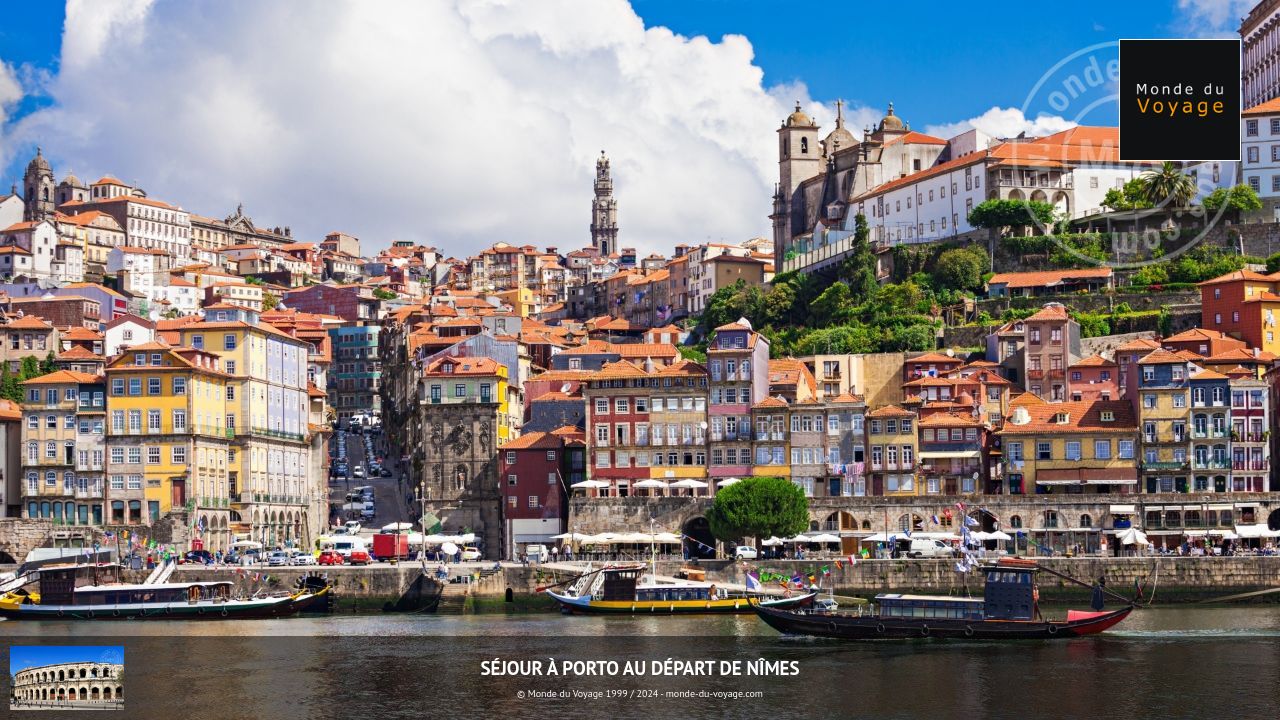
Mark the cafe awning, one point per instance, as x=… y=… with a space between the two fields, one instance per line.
x=1124 y=509
x=943 y=454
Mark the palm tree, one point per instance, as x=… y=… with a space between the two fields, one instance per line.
x=1168 y=187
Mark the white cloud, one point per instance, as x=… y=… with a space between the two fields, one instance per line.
x=1212 y=18
x=1004 y=123
x=453 y=123
x=10 y=93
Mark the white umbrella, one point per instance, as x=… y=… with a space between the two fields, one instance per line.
x=999 y=535
x=449 y=548
x=590 y=484
x=825 y=538
x=979 y=536
x=689 y=483
x=798 y=539
x=650 y=484
x=666 y=538
x=246 y=544
x=728 y=481
x=601 y=539
x=772 y=542
x=415 y=538
x=397 y=527
x=1132 y=536
x=636 y=537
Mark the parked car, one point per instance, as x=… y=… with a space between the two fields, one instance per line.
x=385 y=472
x=353 y=527
x=357 y=472
x=278 y=558
x=329 y=557
x=359 y=557
x=470 y=553
x=197 y=556
x=304 y=559
x=536 y=553
x=745 y=552
x=924 y=547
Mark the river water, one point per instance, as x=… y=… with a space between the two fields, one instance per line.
x=1191 y=661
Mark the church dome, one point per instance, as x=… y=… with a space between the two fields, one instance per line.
x=798 y=117
x=38 y=164
x=891 y=121
x=73 y=181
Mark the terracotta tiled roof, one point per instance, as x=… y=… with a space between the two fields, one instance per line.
x=1082 y=417
x=935 y=358
x=78 y=352
x=1139 y=345
x=619 y=370
x=949 y=419
x=534 y=441
x=28 y=322
x=1242 y=355
x=1160 y=357
x=462 y=366
x=890 y=411
x=1208 y=375
x=1046 y=278
x=1050 y=312
x=687 y=368
x=1094 y=361
x=1197 y=334
x=771 y=402
x=1237 y=276
x=62 y=377
x=1265 y=108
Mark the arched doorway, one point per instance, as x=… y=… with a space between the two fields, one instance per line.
x=698 y=540
x=1273 y=520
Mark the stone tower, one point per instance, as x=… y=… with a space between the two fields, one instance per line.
x=799 y=158
x=38 y=182
x=604 y=211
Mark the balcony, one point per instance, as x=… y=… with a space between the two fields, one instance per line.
x=1035 y=374
x=1251 y=465
x=1215 y=464
x=1163 y=465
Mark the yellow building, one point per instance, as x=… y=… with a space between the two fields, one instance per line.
x=56 y=486
x=167 y=444
x=1081 y=447
x=523 y=301
x=274 y=500
x=892 y=449
x=676 y=432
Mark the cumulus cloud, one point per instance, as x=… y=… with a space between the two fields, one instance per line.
x=1212 y=18
x=455 y=123
x=10 y=93
x=1004 y=123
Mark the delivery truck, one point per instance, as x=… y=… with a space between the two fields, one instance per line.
x=389 y=545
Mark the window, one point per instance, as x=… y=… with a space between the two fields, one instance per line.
x=135 y=386
x=231 y=367
x=1254 y=184
x=1251 y=128
x=135 y=455
x=642 y=405
x=459 y=390
x=621 y=406
x=179 y=454
x=602 y=458
x=153 y=455
x=228 y=342
x=1251 y=155
x=179 y=386
x=1102 y=449
x=153 y=386
x=602 y=406
x=1044 y=451
x=153 y=421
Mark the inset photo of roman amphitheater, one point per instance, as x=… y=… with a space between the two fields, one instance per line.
x=66 y=677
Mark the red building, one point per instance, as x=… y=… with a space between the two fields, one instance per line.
x=929 y=365
x=537 y=470
x=617 y=426
x=1093 y=378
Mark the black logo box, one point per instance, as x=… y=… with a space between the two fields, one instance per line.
x=1187 y=68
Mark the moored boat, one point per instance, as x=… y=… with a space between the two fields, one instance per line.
x=628 y=590
x=94 y=592
x=1008 y=610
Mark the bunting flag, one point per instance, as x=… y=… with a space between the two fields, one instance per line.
x=108 y=534
x=838 y=565
x=753 y=582
x=825 y=571
x=853 y=558
x=935 y=520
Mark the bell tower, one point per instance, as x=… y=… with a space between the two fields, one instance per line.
x=604 y=211
x=799 y=158
x=39 y=189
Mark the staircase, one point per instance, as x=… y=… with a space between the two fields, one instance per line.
x=453 y=599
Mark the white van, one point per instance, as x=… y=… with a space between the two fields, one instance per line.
x=924 y=547
x=344 y=545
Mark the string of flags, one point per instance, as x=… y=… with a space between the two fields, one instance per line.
x=757 y=577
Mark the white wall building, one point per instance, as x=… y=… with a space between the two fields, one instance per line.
x=1260 y=155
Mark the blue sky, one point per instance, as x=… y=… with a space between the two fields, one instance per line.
x=209 y=103
x=25 y=656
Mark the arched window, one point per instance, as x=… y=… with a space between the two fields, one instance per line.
x=1086 y=521
x=1015 y=521
x=866 y=524
x=1051 y=519
x=804 y=145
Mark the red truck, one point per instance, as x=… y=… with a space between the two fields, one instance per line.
x=389 y=545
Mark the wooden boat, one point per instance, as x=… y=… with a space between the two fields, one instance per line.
x=94 y=592
x=627 y=590
x=1008 y=610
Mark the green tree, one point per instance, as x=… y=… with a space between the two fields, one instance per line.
x=381 y=294
x=958 y=269
x=30 y=368
x=694 y=353
x=759 y=507
x=47 y=365
x=1236 y=200
x=1273 y=263
x=1131 y=197
x=833 y=307
x=270 y=301
x=999 y=215
x=9 y=387
x=914 y=337
x=859 y=269
x=1167 y=186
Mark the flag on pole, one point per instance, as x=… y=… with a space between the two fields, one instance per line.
x=838 y=565
x=935 y=520
x=753 y=582
x=852 y=558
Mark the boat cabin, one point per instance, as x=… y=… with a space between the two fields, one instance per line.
x=929 y=607
x=57 y=584
x=167 y=593
x=1010 y=592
